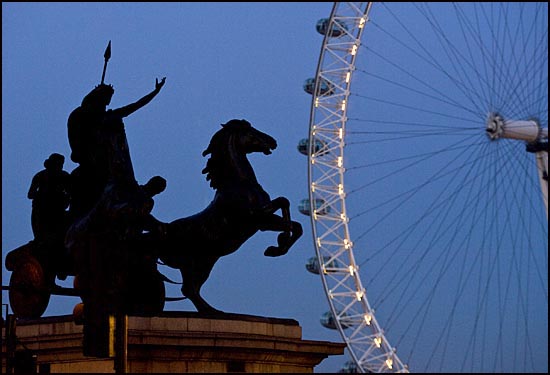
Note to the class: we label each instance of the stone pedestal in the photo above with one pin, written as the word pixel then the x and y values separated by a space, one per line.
pixel 179 342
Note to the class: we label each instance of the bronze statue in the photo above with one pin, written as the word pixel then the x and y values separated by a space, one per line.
pixel 90 127
pixel 239 209
pixel 50 192
pixel 111 210
pixel 112 242
pixel 102 243
pixel 110 237
pixel 36 264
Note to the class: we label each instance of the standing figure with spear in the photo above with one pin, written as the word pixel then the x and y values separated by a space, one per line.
pixel 87 125
pixel 110 212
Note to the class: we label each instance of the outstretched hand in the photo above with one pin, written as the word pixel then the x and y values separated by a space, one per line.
pixel 158 85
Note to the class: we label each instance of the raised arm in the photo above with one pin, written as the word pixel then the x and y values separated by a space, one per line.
pixel 131 108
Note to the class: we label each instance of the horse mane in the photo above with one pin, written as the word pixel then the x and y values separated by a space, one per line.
pixel 216 166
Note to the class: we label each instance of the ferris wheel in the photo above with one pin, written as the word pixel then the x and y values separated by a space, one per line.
pixel 428 184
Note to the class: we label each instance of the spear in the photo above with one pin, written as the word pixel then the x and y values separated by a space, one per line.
pixel 107 56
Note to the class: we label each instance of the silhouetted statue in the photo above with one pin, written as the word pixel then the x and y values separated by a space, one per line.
pixel 95 133
pixel 108 244
pixel 36 264
pixel 240 208
pixel 50 192
pixel 111 209
pixel 112 242
pixel 110 239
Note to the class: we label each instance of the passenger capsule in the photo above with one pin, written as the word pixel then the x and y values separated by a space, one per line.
pixel 325 87
pixel 338 28
pixel 304 207
pixel 350 367
pixel 328 321
pixel 320 147
pixel 312 265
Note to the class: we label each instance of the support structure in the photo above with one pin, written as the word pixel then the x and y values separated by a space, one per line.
pixel 179 342
pixel 529 131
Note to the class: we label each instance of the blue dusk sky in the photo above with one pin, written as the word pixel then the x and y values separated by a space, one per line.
pixel 236 60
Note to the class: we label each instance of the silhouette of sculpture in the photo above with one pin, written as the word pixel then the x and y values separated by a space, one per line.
pixel 36 264
pixel 90 128
pixel 50 192
pixel 110 239
pixel 239 209
pixel 108 243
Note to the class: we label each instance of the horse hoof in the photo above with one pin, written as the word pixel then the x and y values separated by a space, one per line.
pixel 273 251
pixel 284 239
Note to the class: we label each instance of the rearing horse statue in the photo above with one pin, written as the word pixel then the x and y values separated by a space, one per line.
pixel 240 208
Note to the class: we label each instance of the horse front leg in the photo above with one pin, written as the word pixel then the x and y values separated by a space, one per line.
pixel 290 230
pixel 284 204
pixel 285 240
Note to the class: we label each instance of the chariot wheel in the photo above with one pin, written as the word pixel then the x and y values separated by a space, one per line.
pixel 428 184
pixel 29 292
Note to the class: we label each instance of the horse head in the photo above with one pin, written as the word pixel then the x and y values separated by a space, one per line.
pixel 228 149
pixel 244 137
